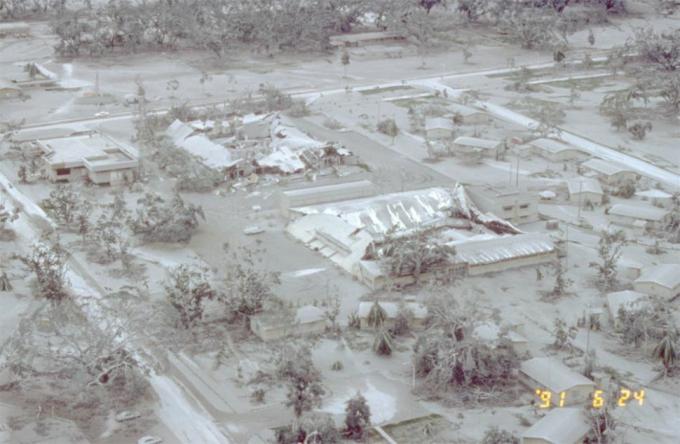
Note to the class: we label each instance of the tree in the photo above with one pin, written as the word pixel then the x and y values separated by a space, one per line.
pixel 382 344
pixel 376 315
pixel 312 428
pixel 639 130
pixel 389 128
pixel 670 93
pixel 609 250
pixel 187 288
pixel 414 255
pixel 248 287
pixel 344 59
pixel 662 50
pixel 5 284
pixel 494 435
pixel 7 217
pixel 357 418
pixel 561 334
pixel 295 366
pixel 63 204
pixel 561 282
pixel 22 174
pixel 665 351
pixel 48 262
pixel 160 221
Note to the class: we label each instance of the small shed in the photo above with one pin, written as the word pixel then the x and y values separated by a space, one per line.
pixel 476 147
pixel 659 280
pixel 555 150
pixel 306 320
pixel 628 214
pixel 417 311
pixel 437 128
pixel 585 189
pixel 656 197
pixel 551 374
pixel 560 426
pixel 609 172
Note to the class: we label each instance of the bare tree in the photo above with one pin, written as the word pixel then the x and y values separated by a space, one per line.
pixel 303 379
pixel 609 250
pixel 48 262
pixel 357 418
pixel 160 221
pixel 63 204
pixel 6 217
pixel 187 288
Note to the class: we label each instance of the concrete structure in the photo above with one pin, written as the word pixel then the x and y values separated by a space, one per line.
pixel 95 156
pixel 662 281
pixel 608 172
pixel 552 375
pixel 656 197
pixel 627 300
pixel 559 426
pixel 307 320
pixel 474 147
pixel 256 126
pixel 8 89
pixel 633 216
pixel 200 147
pixel 326 193
pixel 555 150
pixel 17 29
pixel 417 313
pixel 512 204
pixel 437 128
pixel 365 38
pixel 466 115
pixel 29 75
pixel 584 189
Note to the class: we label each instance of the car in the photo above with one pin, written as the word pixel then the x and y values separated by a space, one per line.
pixel 102 114
pixel 149 440
pixel 253 229
pixel 127 415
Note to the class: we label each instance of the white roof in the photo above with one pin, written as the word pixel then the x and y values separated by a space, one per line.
pixel 392 309
pixel 584 184
pixel 330 188
pixel 284 159
pixel 607 168
pixel 72 152
pixel 308 314
pixel 208 152
pixel 644 212
pixel 666 275
pixel 465 110
pixel 489 251
pixel 290 137
pixel 491 332
pixel 476 142
pixel 564 425
pixel 438 123
pixel 627 299
pixel 552 145
pixel 553 375
pixel 654 194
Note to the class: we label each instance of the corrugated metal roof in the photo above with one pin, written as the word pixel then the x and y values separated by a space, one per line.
pixel 489 251
pixel 553 375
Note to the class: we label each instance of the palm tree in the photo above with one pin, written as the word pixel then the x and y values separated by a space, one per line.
pixel 665 351
pixel 383 343
pixel 376 315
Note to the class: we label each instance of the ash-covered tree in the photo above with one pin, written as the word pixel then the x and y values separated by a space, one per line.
pixel 666 350
pixel 187 288
pixel 561 282
pixel 494 435
pixel 532 29
pixel 63 204
pixel 158 220
pixel 662 49
pixel 357 418
pixel 344 59
pixel 5 284
pixel 609 251
pixel 47 261
pixel 376 315
pixel 7 216
pixel 313 428
pixel 296 368
pixel 389 128
pixel 383 344
pixel 248 285
pixel 644 323
pixel 672 228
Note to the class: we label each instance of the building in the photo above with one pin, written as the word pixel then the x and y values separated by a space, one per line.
pixel 609 172
pixel 365 38
pixel 555 150
pixel 552 375
pixel 628 300
pixel 585 189
pixel 17 29
pixel 437 128
pixel 326 193
pixel 491 334
pixel 662 281
pixel 256 126
pixel 504 253
pixel 560 426
pixel 417 313
pixel 95 156
pixel 656 197
pixel 512 204
pixel 465 115
pixel 307 320
pixel 635 216
pixel 476 148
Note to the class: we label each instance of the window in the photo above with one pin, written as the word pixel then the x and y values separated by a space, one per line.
pixel 524 206
pixel 507 208
pixel 63 171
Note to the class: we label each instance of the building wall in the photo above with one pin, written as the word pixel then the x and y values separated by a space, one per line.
pixel 75 174
pixel 653 289
pixel 476 119
pixel 476 270
pixel 439 133
pixel 115 177
pixel 595 198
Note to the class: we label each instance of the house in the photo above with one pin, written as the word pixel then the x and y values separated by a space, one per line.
pixel 627 299
pixel 491 334
pixel 627 215
pixel 585 189
pixel 417 312
pixel 554 150
pixel 17 29
pixel 560 426
pixel 437 128
pixel 465 115
pixel 512 204
pixel 609 172
pixel 659 280
pixel 656 197
pixel 552 375
pixel 99 158
pixel 476 148
pixel 326 193
pixel 307 320
pixel 365 38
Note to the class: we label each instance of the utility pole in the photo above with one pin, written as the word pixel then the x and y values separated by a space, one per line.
pixel 580 192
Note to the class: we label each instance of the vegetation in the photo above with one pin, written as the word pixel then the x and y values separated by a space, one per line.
pixel 48 262
pixel 357 418
pixel 494 435
pixel 186 289
pixel 160 221
pixel 296 368
pixel 313 428
pixel 609 250
pixel 63 204
pixel 6 217
pixel 382 344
